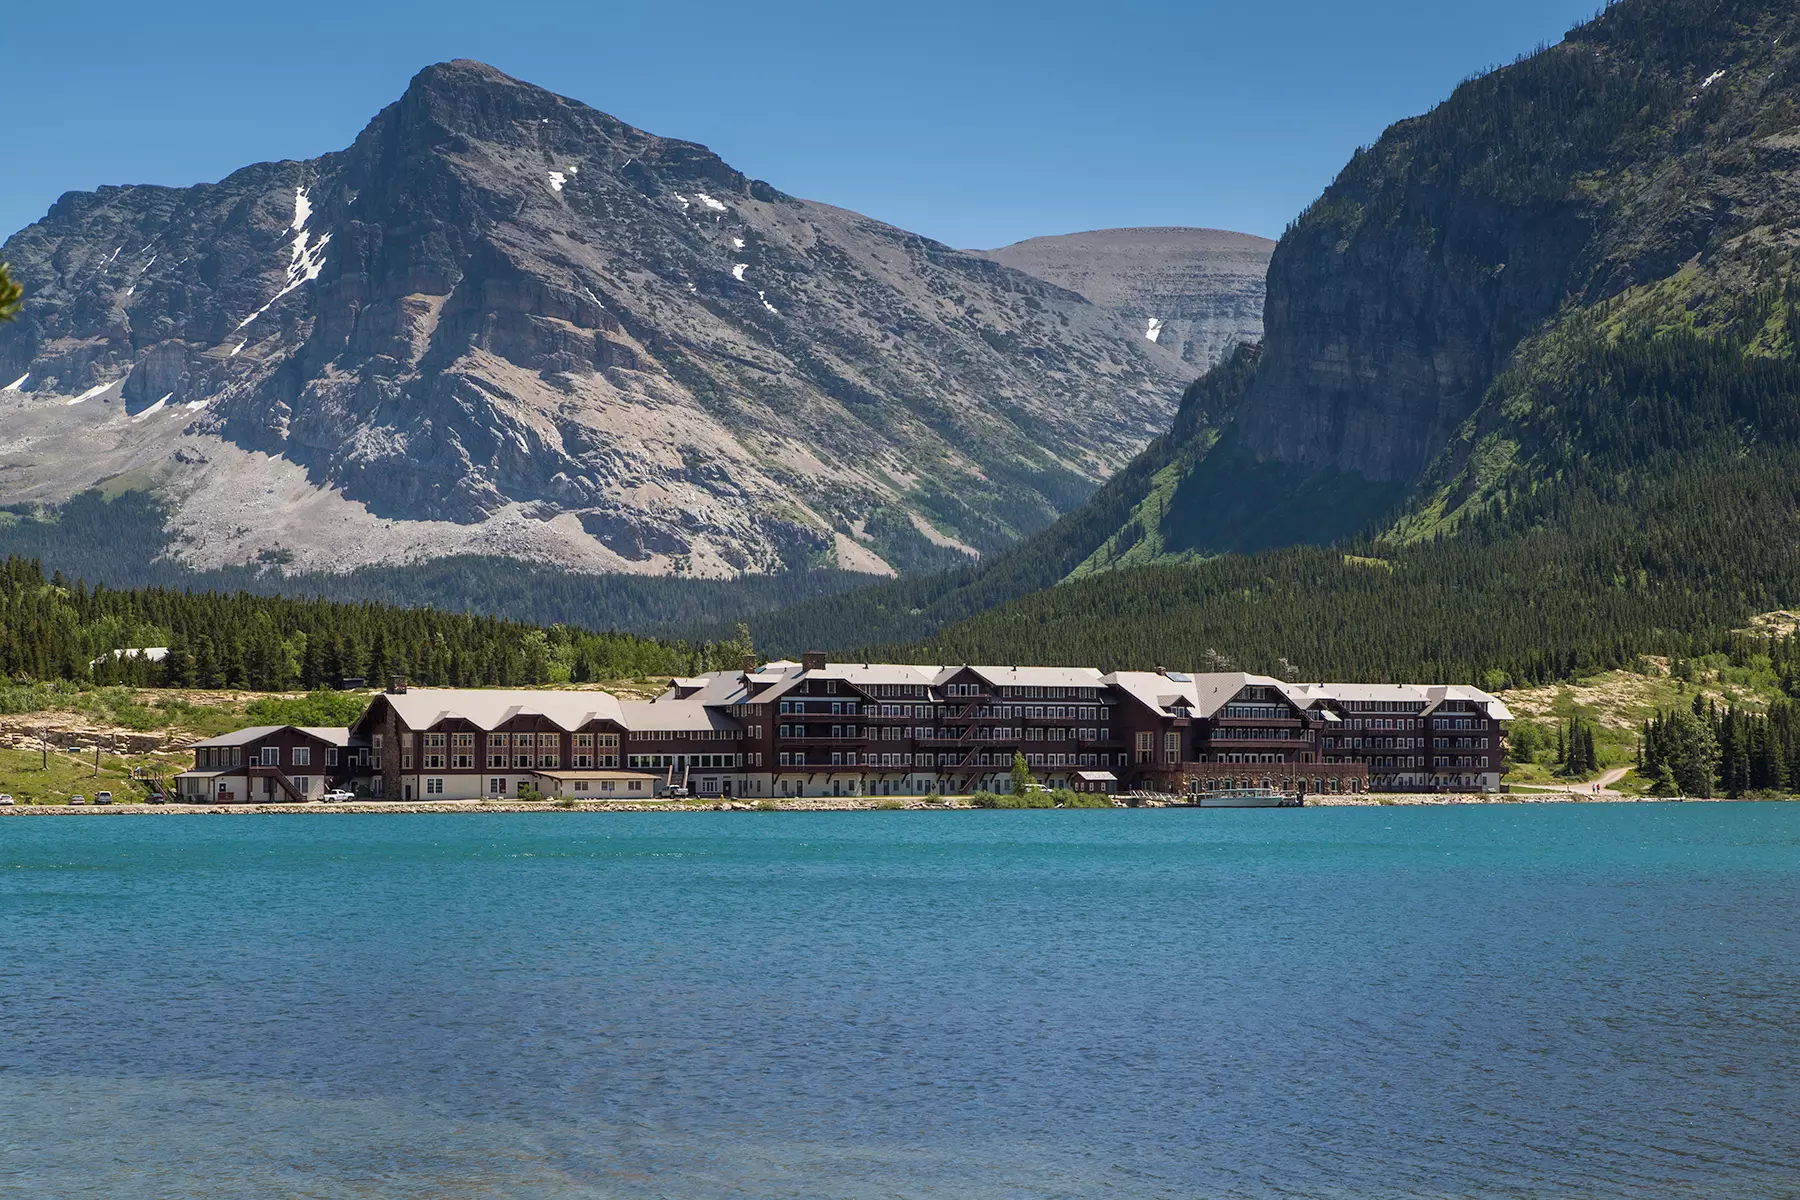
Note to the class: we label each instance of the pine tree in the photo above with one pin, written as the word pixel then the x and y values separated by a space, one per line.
pixel 1021 774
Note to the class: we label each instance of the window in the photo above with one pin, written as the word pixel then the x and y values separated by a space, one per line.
pixel 496 787
pixel 271 756
pixel 521 762
pixel 463 741
pixel 581 785
pixel 331 756
pixel 302 756
pixel 434 741
pixel 1171 747
pixel 303 783
pixel 434 787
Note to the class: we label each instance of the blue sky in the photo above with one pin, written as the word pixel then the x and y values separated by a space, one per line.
pixel 978 123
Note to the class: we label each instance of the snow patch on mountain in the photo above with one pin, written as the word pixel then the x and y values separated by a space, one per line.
pixel 308 257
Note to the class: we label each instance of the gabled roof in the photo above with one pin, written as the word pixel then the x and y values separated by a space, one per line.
pixel 676 715
pixel 1032 676
pixel 239 737
pixel 1205 694
pixel 331 735
pixel 421 708
pixel 1431 696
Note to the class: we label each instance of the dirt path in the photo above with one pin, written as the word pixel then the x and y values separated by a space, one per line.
pixel 1607 780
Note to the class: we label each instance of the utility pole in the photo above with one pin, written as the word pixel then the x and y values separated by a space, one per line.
pixel 96 758
pixel 44 747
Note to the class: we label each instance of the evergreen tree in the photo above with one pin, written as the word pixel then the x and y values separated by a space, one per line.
pixel 1021 775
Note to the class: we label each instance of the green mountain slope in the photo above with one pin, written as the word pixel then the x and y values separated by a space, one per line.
pixel 1530 367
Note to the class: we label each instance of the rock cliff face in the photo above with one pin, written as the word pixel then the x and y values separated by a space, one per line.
pixel 1196 292
pixel 504 322
pixel 1657 135
pixel 1655 148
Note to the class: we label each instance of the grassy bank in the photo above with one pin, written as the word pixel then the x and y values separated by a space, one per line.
pixel 1617 703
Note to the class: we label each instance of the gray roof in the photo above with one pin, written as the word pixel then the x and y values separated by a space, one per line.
pixel 1430 695
pixel 1033 676
pixel 240 737
pixel 490 708
pixel 678 715
pixel 1205 694
pixel 329 734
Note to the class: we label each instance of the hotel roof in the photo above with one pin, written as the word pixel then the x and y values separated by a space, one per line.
pixel 332 735
pixel 486 708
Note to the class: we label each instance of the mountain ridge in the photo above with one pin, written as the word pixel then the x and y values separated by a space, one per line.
pixel 502 322
pixel 1529 381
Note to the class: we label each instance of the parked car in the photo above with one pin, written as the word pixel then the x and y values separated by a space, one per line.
pixel 678 793
pixel 6 801
pixel 158 798
pixel 78 798
pixel 102 797
pixel 337 797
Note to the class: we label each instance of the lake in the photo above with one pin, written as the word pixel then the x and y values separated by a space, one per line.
pixel 1489 1001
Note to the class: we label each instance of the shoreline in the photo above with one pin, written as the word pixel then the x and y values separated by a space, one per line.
pixel 791 804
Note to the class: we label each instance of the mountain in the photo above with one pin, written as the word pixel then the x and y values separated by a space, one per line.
pixel 1198 292
pixel 1639 167
pixel 504 323
pixel 1531 371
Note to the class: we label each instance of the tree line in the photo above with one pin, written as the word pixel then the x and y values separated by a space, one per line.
pixel 1705 750
pixel 56 629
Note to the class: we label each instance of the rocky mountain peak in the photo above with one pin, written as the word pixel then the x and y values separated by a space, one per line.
pixel 504 322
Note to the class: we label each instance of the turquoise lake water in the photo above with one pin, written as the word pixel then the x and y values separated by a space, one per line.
pixel 1542 1001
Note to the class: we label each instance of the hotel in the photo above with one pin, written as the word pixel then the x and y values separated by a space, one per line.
pixel 821 728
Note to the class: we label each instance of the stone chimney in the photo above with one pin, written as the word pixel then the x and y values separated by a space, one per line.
pixel 396 685
pixel 813 660
pixel 749 664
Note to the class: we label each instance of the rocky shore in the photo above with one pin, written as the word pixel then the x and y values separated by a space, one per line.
pixel 789 804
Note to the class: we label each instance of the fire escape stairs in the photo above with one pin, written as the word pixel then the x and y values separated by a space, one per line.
pixel 281 779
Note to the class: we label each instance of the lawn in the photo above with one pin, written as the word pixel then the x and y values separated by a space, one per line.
pixel 33 777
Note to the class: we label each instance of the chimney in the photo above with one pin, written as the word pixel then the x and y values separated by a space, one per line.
pixel 812 660
pixel 749 664
pixel 396 685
